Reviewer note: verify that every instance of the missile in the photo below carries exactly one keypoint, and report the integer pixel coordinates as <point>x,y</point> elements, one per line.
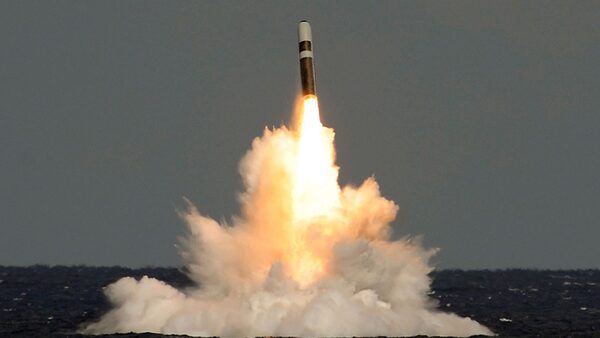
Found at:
<point>307,69</point>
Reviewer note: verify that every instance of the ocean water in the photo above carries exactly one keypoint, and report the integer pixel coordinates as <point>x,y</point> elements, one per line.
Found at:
<point>41,301</point>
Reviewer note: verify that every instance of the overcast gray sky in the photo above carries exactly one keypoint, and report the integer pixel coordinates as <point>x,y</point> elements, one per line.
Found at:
<point>480,119</point>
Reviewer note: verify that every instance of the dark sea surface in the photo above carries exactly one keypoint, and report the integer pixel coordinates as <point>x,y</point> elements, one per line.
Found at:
<point>41,301</point>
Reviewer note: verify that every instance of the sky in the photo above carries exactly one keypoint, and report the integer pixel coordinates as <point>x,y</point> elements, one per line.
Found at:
<point>480,119</point>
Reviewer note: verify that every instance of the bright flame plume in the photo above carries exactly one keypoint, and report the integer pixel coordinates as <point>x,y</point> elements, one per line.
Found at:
<point>304,258</point>
<point>315,193</point>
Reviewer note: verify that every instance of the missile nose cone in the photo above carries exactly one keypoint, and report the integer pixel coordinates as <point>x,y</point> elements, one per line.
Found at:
<point>304,32</point>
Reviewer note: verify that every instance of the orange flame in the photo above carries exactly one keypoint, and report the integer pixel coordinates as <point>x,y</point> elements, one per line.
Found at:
<point>315,194</point>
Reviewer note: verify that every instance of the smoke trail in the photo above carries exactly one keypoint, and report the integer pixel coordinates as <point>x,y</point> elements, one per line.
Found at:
<point>305,257</point>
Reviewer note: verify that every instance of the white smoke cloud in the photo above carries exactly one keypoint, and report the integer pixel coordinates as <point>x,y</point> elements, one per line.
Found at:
<point>244,276</point>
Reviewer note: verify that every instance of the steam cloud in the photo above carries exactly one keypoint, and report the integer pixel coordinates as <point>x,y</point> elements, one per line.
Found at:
<point>369,286</point>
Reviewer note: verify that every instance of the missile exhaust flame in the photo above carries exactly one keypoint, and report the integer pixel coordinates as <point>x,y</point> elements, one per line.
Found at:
<point>315,192</point>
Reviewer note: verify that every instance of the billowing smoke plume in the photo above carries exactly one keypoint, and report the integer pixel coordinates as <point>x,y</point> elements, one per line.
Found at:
<point>304,258</point>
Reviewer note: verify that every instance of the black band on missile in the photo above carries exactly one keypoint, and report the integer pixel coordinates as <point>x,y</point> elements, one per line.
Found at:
<point>307,76</point>
<point>305,45</point>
